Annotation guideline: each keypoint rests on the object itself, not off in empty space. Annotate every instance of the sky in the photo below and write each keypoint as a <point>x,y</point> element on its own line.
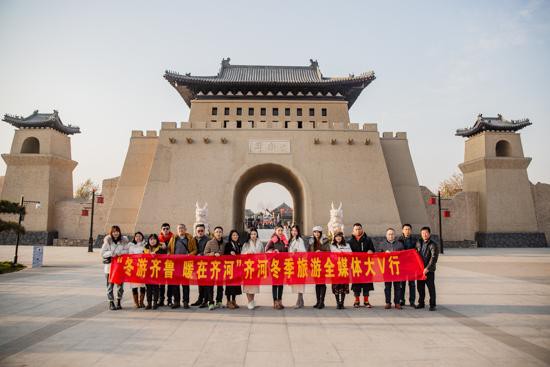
<point>438,64</point>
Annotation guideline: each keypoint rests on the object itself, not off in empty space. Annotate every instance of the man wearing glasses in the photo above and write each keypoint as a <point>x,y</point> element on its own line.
<point>164,238</point>
<point>199,242</point>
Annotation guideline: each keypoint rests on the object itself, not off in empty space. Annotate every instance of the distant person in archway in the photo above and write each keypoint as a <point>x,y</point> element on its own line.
<point>252,246</point>
<point>233,248</point>
<point>277,243</point>
<point>360,242</point>
<point>319,243</point>
<point>296,244</point>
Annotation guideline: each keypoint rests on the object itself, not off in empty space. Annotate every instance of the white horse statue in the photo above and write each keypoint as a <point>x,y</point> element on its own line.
<point>336,223</point>
<point>201,216</point>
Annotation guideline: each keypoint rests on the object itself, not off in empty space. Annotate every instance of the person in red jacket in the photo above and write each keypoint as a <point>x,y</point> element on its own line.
<point>164,238</point>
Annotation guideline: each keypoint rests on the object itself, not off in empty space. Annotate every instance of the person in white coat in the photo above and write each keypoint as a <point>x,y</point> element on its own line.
<point>296,244</point>
<point>339,244</point>
<point>138,290</point>
<point>253,246</point>
<point>114,244</point>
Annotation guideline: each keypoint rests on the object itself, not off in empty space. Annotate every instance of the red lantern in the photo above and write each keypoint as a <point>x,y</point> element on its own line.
<point>431,201</point>
<point>100,199</point>
<point>447,213</point>
<point>84,212</point>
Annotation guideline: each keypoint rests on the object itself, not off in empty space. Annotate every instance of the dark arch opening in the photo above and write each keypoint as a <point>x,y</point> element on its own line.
<point>268,172</point>
<point>503,149</point>
<point>30,146</point>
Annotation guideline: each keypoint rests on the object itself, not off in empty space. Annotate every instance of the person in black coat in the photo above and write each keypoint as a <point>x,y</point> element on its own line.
<point>360,242</point>
<point>429,252</point>
<point>232,247</point>
<point>409,242</point>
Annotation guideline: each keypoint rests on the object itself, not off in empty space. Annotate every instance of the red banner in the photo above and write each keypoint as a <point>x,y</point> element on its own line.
<point>272,268</point>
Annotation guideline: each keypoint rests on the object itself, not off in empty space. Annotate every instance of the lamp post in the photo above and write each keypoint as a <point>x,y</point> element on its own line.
<point>84,213</point>
<point>22,204</point>
<point>446,214</point>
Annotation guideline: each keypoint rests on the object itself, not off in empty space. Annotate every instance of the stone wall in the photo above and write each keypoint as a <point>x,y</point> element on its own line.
<point>459,230</point>
<point>29,238</point>
<point>541,196</point>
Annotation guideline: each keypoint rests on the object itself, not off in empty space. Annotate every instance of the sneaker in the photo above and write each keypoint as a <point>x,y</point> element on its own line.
<point>433,308</point>
<point>186,305</point>
<point>211,306</point>
<point>367,305</point>
<point>170,304</point>
<point>356,304</point>
<point>250,305</point>
<point>402,303</point>
<point>219,305</point>
<point>388,306</point>
<point>112,306</point>
<point>419,306</point>
<point>203,305</point>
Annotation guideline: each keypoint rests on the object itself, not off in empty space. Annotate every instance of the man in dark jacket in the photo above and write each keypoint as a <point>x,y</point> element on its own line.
<point>391,245</point>
<point>409,242</point>
<point>181,244</point>
<point>199,241</point>
<point>429,252</point>
<point>360,242</point>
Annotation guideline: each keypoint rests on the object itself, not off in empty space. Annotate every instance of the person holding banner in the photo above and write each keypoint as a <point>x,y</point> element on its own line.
<point>181,244</point>
<point>409,242</point>
<point>340,290</point>
<point>360,242</point>
<point>252,246</point>
<point>114,244</point>
<point>136,247</point>
<point>319,243</point>
<point>277,243</point>
<point>164,238</point>
<point>199,242</point>
<point>154,247</point>
<point>214,247</point>
<point>391,245</point>
<point>296,244</point>
<point>233,247</point>
<point>429,252</point>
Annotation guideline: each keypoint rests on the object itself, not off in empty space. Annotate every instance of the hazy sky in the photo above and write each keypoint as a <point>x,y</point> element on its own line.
<point>438,64</point>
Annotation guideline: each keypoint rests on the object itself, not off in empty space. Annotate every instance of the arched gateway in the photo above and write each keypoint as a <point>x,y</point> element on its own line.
<point>252,124</point>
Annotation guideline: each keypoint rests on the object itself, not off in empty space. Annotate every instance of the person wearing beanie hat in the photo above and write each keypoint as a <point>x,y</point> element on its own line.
<point>319,243</point>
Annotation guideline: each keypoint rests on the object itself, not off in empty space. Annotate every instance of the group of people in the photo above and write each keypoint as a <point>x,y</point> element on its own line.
<point>211,297</point>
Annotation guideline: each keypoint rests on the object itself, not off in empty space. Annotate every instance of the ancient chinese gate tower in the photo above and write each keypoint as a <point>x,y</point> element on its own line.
<point>252,124</point>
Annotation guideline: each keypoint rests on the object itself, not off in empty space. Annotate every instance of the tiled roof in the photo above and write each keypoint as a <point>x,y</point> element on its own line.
<point>246,78</point>
<point>492,124</point>
<point>41,120</point>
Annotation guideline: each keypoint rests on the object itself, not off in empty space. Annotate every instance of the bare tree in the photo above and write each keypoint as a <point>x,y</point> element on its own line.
<point>452,186</point>
<point>84,190</point>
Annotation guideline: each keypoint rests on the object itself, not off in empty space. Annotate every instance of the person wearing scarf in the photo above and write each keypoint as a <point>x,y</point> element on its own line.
<point>164,237</point>
<point>114,244</point>
<point>277,243</point>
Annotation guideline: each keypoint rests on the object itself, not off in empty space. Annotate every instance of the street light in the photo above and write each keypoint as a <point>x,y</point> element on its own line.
<point>22,204</point>
<point>84,213</point>
<point>446,213</point>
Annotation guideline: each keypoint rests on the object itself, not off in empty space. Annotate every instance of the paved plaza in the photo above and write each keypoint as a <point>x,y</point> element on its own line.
<point>493,309</point>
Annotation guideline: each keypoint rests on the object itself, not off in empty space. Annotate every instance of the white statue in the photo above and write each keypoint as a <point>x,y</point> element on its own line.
<point>201,217</point>
<point>336,223</point>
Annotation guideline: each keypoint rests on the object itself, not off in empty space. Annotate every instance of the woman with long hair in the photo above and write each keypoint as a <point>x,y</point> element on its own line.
<point>277,243</point>
<point>319,243</point>
<point>252,246</point>
<point>233,248</point>
<point>340,290</point>
<point>136,247</point>
<point>114,244</point>
<point>296,245</point>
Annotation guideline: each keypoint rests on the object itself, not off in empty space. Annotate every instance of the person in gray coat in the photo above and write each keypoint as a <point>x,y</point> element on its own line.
<point>391,245</point>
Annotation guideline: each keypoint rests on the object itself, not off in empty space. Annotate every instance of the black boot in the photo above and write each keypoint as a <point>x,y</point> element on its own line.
<point>118,305</point>
<point>318,295</point>
<point>112,306</point>
<point>322,298</point>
